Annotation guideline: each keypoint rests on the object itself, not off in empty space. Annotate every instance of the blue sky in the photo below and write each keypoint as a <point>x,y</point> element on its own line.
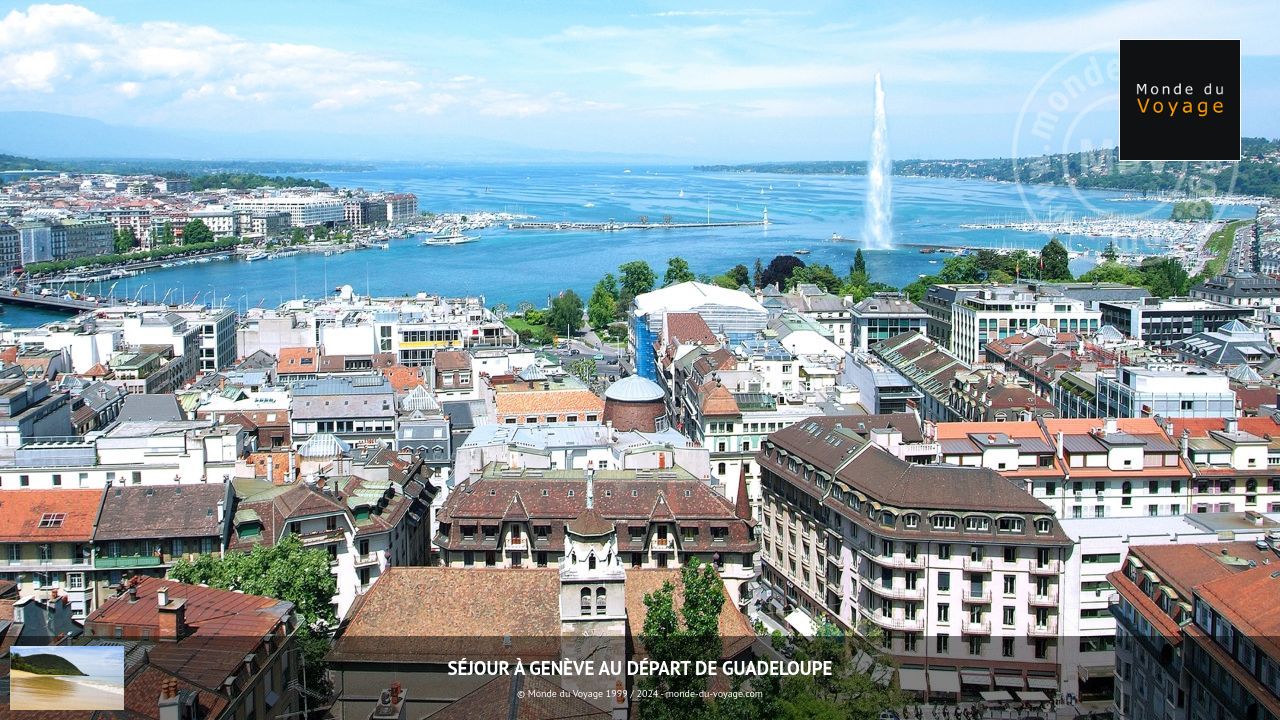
<point>688,80</point>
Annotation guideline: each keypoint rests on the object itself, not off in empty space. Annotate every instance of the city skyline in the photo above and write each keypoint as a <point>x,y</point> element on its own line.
<point>680,83</point>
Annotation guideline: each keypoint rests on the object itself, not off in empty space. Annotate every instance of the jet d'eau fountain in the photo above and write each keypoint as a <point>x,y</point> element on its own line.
<point>877,232</point>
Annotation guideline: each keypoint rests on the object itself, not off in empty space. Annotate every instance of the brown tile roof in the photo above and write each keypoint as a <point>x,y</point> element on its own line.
<point>1248,600</point>
<point>717,400</point>
<point>298,360</point>
<point>22,512</point>
<point>163,511</point>
<point>549,402</point>
<point>687,328</point>
<point>589,523</point>
<point>452,360</point>
<point>402,378</point>
<point>1200,427</point>
<point>142,689</point>
<point>279,467</point>
<point>98,371</point>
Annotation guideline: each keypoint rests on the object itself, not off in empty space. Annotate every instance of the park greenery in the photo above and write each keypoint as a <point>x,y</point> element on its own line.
<point>288,571</point>
<point>249,181</point>
<point>158,253</point>
<point>858,688</point>
<point>1192,210</point>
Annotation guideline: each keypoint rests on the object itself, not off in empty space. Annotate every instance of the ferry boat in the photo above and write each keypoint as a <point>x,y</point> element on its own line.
<point>452,238</point>
<point>836,237</point>
<point>255,255</point>
<point>802,252</point>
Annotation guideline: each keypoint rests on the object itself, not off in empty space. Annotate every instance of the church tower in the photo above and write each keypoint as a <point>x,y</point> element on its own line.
<point>593,605</point>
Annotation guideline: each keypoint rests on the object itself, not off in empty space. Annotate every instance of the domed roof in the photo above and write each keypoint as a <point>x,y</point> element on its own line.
<point>323,445</point>
<point>634,389</point>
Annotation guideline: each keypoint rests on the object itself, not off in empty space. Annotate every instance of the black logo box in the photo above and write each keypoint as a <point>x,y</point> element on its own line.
<point>1185,65</point>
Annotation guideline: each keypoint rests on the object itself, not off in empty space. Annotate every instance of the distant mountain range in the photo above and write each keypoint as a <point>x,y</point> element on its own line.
<point>44,664</point>
<point>55,136</point>
<point>1258,172</point>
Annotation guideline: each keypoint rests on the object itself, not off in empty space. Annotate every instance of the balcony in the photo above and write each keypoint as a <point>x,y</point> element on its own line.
<point>128,561</point>
<point>50,564</point>
<point>1043,600</point>
<point>893,561</point>
<point>896,593</point>
<point>517,543</point>
<point>1052,567</point>
<point>977,596</point>
<point>368,559</point>
<point>897,623</point>
<point>982,627</point>
<point>972,565</point>
<point>324,537</point>
<point>1048,628</point>
<point>663,544</point>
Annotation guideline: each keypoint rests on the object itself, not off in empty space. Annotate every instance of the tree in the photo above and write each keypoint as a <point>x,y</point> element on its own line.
<point>125,241</point>
<point>602,308</point>
<point>501,310</point>
<point>584,368</point>
<point>565,313</point>
<point>1110,254</point>
<point>779,271</point>
<point>321,232</point>
<point>666,639</point>
<point>677,272</point>
<point>1054,261</point>
<point>1165,277</point>
<point>757,274</point>
<point>859,262</point>
<point>821,275</point>
<point>637,278</point>
<point>739,275</point>
<point>286,571</point>
<point>857,687</point>
<point>297,236</point>
<point>196,232</point>
<point>523,308</point>
<point>1113,272</point>
<point>166,235</point>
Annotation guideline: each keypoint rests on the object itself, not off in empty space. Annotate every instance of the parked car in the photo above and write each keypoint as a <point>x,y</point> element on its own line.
<point>598,356</point>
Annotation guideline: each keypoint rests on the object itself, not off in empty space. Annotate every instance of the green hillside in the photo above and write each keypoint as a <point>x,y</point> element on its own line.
<point>45,664</point>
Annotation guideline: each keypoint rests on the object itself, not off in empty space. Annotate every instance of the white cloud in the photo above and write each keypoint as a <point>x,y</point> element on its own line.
<point>129,89</point>
<point>29,71</point>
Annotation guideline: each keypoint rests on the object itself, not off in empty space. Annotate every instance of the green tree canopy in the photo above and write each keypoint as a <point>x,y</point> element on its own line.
<point>1054,261</point>
<point>739,275</point>
<point>677,272</point>
<point>565,313</point>
<point>125,241</point>
<point>859,262</point>
<point>779,271</point>
<point>286,571</point>
<point>637,278</point>
<point>196,232</point>
<point>602,308</point>
<point>821,275</point>
<point>667,639</point>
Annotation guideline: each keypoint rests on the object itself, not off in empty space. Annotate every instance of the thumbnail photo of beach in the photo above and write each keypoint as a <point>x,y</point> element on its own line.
<point>66,678</point>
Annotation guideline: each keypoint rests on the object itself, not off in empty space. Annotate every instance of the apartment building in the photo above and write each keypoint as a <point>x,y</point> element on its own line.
<point>401,207</point>
<point>958,568</point>
<point>30,410</point>
<point>997,311</point>
<point>1255,291</point>
<point>10,248</point>
<point>1235,463</point>
<point>304,210</point>
<point>48,544</point>
<point>205,653</point>
<point>352,408</point>
<point>1195,629</point>
<point>882,316</point>
<point>723,311</point>
<point>930,368</point>
<point>365,524</point>
<point>517,517</point>
<point>813,303</point>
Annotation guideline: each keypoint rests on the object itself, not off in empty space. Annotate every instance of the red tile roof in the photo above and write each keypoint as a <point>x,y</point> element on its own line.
<point>297,360</point>
<point>452,360</point>
<point>1200,427</point>
<point>60,514</point>
<point>402,378</point>
<point>684,328</point>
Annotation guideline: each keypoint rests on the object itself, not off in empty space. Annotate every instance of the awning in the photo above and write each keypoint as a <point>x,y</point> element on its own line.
<point>801,623</point>
<point>1033,696</point>
<point>976,677</point>
<point>1044,683</point>
<point>944,681</point>
<point>996,696</point>
<point>1009,681</point>
<point>911,679</point>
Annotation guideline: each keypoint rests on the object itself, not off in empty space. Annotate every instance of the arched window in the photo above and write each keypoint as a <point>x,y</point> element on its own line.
<point>1126,488</point>
<point>586,601</point>
<point>600,601</point>
<point>1251,485</point>
<point>591,561</point>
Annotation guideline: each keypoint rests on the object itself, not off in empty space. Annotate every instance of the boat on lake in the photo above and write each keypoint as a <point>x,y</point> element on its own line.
<point>255,255</point>
<point>453,237</point>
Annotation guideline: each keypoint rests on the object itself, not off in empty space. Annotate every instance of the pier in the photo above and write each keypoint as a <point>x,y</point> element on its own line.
<point>612,226</point>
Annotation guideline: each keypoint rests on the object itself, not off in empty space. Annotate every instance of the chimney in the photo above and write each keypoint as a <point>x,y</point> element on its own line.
<point>162,595</point>
<point>591,487</point>
<point>1058,450</point>
<point>133,594</point>
<point>1110,426</point>
<point>1232,424</point>
<point>173,620</point>
<point>1185,443</point>
<point>171,704</point>
<point>222,510</point>
<point>391,704</point>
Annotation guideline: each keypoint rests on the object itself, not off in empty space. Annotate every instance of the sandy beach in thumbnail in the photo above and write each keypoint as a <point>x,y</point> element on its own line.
<point>29,691</point>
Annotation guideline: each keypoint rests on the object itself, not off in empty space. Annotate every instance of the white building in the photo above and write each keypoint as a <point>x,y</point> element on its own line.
<point>997,312</point>
<point>304,210</point>
<point>1164,390</point>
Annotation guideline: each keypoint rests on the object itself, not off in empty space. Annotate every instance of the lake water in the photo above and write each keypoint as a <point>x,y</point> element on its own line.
<point>515,265</point>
